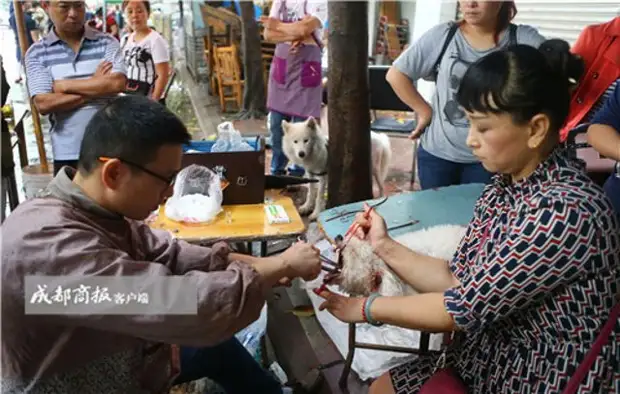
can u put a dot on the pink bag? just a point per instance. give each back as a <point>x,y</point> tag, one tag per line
<point>444,381</point>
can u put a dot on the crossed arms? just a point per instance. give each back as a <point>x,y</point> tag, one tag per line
<point>60,95</point>
<point>71,93</point>
<point>277,31</point>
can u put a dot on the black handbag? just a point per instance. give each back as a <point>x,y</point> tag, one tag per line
<point>137,87</point>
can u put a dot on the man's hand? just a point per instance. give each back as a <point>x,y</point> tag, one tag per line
<point>59,86</point>
<point>104,68</point>
<point>302,260</point>
<point>295,46</point>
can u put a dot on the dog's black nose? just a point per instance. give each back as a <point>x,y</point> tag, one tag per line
<point>302,154</point>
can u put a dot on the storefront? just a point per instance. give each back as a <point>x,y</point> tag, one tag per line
<point>565,19</point>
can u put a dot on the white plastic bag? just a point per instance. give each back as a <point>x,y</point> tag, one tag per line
<point>251,336</point>
<point>197,196</point>
<point>229,139</point>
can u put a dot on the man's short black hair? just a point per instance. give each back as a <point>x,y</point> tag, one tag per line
<point>130,127</point>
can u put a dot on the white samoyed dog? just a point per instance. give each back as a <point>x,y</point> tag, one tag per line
<point>305,144</point>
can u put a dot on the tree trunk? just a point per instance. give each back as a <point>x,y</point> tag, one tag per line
<point>349,104</point>
<point>254,90</point>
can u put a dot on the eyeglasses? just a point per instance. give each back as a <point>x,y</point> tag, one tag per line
<point>168,180</point>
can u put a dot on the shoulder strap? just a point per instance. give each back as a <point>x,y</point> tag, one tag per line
<point>124,40</point>
<point>451,32</point>
<point>512,34</point>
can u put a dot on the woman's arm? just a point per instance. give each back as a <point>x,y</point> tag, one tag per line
<point>161,58</point>
<point>405,90</point>
<point>424,312</point>
<point>424,273</point>
<point>605,140</point>
<point>604,133</point>
<point>522,270</point>
<point>163,74</point>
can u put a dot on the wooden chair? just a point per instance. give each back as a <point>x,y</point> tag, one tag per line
<point>267,59</point>
<point>221,37</point>
<point>383,98</point>
<point>228,72</point>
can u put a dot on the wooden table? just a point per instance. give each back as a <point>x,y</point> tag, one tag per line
<point>237,224</point>
<point>403,213</point>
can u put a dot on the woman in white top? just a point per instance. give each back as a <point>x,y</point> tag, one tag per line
<point>145,52</point>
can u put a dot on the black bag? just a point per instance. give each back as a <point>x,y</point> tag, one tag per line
<point>137,87</point>
<point>134,86</point>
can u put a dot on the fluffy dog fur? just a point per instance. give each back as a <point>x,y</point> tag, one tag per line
<point>305,144</point>
<point>361,267</point>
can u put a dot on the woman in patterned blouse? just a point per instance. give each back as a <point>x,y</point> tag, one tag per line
<point>537,273</point>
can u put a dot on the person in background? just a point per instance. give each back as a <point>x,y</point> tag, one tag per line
<point>537,274</point>
<point>599,47</point>
<point>90,224</point>
<point>604,137</point>
<point>7,161</point>
<point>41,18</point>
<point>145,53</point>
<point>118,16</point>
<point>32,32</point>
<point>110,22</point>
<point>444,158</point>
<point>72,73</point>
<point>295,84</point>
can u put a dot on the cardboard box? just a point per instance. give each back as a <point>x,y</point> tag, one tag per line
<point>244,170</point>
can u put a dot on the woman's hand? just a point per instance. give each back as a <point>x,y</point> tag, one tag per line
<point>424,116</point>
<point>269,22</point>
<point>346,309</point>
<point>372,228</point>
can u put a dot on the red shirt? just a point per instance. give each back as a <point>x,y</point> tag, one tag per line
<point>599,46</point>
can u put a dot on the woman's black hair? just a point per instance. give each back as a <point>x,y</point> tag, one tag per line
<point>523,81</point>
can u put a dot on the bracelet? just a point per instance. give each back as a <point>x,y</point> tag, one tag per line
<point>366,310</point>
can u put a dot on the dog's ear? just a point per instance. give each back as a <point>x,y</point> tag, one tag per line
<point>285,126</point>
<point>311,123</point>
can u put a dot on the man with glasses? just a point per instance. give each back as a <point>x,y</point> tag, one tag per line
<point>89,224</point>
<point>71,73</point>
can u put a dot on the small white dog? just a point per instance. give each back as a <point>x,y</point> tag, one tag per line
<point>363,272</point>
<point>305,144</point>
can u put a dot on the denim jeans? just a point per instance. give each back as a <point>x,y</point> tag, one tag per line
<point>612,189</point>
<point>436,172</point>
<point>230,365</point>
<point>278,158</point>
